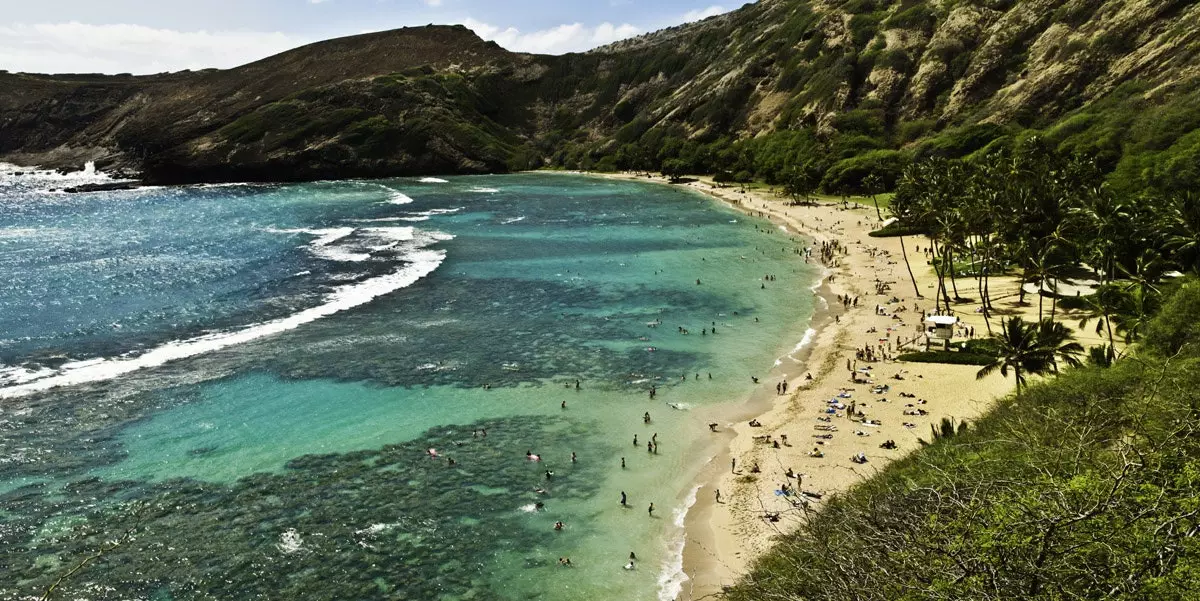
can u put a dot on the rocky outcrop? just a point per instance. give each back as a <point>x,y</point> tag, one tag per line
<point>439,99</point>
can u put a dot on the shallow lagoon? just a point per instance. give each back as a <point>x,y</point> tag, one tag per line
<point>296,465</point>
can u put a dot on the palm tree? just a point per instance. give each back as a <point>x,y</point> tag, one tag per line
<point>1055,340</point>
<point>1101,306</point>
<point>873,185</point>
<point>1031,348</point>
<point>1182,226</point>
<point>907,207</point>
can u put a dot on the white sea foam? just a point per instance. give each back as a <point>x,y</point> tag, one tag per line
<point>804,342</point>
<point>513,220</point>
<point>433,180</point>
<point>421,262</point>
<point>53,179</point>
<point>10,376</point>
<point>323,246</point>
<point>672,576</point>
<point>484,190</point>
<point>290,542</point>
<point>380,220</point>
<point>399,198</point>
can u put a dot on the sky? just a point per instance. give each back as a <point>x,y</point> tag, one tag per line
<point>153,36</point>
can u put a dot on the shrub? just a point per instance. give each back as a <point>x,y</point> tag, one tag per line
<point>949,357</point>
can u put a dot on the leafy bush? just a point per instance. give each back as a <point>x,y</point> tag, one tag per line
<point>895,229</point>
<point>848,175</point>
<point>950,357</point>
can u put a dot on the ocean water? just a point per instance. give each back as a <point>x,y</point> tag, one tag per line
<point>238,392</point>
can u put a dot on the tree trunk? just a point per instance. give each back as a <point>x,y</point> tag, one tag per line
<point>941,273</point>
<point>1054,301</point>
<point>904,251</point>
<point>877,212</point>
<point>1041,295</point>
<point>953,277</point>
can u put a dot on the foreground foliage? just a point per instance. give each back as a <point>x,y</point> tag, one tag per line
<point>1087,487</point>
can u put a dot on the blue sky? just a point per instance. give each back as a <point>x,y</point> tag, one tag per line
<point>150,36</point>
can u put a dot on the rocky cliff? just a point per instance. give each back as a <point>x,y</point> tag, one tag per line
<point>1115,78</point>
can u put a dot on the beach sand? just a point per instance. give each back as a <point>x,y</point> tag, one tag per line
<point>724,538</point>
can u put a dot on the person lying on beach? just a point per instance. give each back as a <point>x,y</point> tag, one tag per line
<point>755,423</point>
<point>712,427</point>
<point>816,452</point>
<point>860,458</point>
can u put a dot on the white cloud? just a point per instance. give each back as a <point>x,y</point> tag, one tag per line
<point>81,48</point>
<point>704,13</point>
<point>433,2</point>
<point>574,37</point>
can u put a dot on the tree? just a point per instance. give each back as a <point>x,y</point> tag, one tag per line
<point>873,185</point>
<point>674,169</point>
<point>1031,349</point>
<point>800,183</point>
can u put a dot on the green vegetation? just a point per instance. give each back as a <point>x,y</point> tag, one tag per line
<point>1087,487</point>
<point>949,357</point>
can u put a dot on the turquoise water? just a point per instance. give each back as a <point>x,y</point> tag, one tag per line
<point>250,379</point>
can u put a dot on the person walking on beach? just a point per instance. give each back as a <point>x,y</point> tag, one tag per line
<point>733,464</point>
<point>718,495</point>
<point>651,510</point>
<point>622,463</point>
<point>635,440</point>
<point>623,499</point>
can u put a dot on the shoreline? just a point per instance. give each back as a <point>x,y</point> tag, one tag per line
<point>722,539</point>
<point>699,536</point>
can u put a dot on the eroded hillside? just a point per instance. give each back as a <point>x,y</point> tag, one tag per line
<point>842,87</point>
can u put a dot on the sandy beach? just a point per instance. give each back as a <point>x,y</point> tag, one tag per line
<point>899,401</point>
